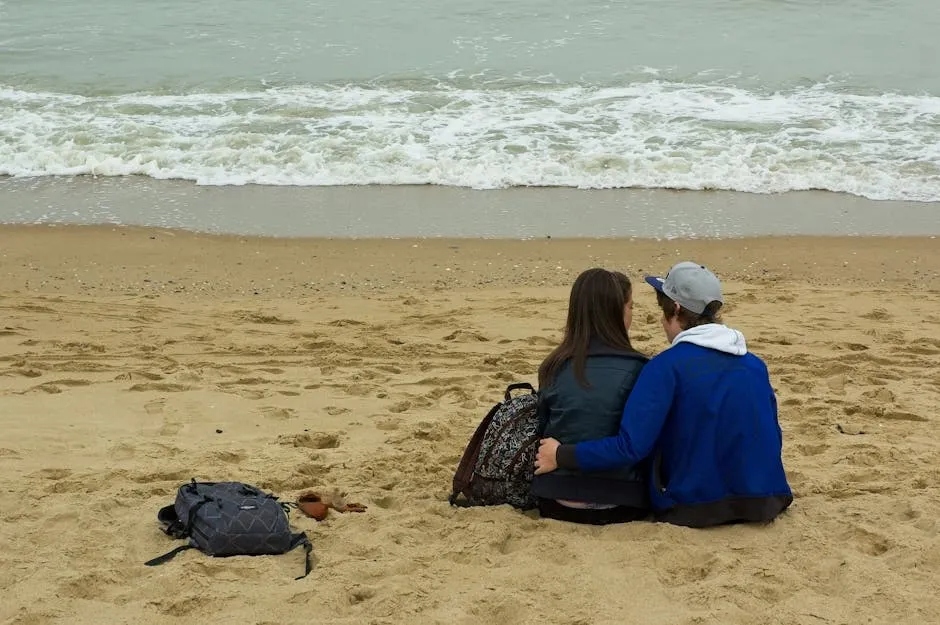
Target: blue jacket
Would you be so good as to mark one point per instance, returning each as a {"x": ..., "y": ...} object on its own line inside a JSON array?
[{"x": 708, "y": 420}]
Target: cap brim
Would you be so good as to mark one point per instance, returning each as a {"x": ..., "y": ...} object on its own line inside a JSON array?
[{"x": 655, "y": 282}]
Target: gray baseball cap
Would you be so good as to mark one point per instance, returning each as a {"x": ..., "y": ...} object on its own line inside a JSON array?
[{"x": 690, "y": 285}]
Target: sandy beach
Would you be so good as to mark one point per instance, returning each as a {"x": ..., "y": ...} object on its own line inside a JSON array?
[{"x": 132, "y": 360}]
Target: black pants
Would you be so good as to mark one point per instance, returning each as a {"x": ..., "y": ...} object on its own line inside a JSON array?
[{"x": 551, "y": 509}]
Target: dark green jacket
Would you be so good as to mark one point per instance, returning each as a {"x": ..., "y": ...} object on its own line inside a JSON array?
[{"x": 572, "y": 413}]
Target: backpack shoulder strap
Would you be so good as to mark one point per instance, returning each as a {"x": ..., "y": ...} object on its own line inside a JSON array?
[
  {"x": 169, "y": 555},
  {"x": 297, "y": 540},
  {"x": 468, "y": 461}
]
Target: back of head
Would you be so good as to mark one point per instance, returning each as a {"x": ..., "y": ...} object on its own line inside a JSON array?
[
  {"x": 595, "y": 313},
  {"x": 695, "y": 289}
]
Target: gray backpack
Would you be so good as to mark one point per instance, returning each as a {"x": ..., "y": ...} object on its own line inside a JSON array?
[{"x": 229, "y": 519}]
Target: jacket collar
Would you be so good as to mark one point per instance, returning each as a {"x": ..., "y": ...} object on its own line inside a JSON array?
[{"x": 597, "y": 348}]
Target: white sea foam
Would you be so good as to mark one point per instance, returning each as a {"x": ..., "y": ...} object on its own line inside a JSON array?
[{"x": 646, "y": 134}]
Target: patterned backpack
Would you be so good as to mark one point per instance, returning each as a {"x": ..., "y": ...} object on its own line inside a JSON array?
[
  {"x": 499, "y": 462},
  {"x": 229, "y": 519}
]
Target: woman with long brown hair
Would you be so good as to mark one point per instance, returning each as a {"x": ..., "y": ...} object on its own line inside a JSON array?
[{"x": 583, "y": 387}]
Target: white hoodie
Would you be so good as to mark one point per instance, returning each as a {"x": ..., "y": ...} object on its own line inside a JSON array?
[{"x": 714, "y": 336}]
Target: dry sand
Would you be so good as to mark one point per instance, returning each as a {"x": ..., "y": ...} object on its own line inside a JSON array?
[{"x": 132, "y": 360}]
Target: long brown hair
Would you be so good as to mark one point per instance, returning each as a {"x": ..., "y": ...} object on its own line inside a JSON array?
[{"x": 595, "y": 313}]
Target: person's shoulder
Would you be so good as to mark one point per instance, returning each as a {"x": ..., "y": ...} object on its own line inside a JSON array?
[
  {"x": 679, "y": 356},
  {"x": 674, "y": 352},
  {"x": 626, "y": 357},
  {"x": 753, "y": 360},
  {"x": 663, "y": 361},
  {"x": 756, "y": 365},
  {"x": 624, "y": 361}
]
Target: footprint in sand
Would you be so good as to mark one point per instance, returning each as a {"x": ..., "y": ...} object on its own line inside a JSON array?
[
  {"x": 231, "y": 457},
  {"x": 812, "y": 450},
  {"x": 464, "y": 336},
  {"x": 692, "y": 569},
  {"x": 88, "y": 585},
  {"x": 878, "y": 314},
  {"x": 26, "y": 373},
  {"x": 359, "y": 390},
  {"x": 52, "y": 474},
  {"x": 138, "y": 375},
  {"x": 388, "y": 425},
  {"x": 123, "y": 451},
  {"x": 387, "y": 503},
  {"x": 263, "y": 319},
  {"x": 882, "y": 396},
  {"x": 160, "y": 387},
  {"x": 311, "y": 440},
  {"x": 170, "y": 428},
  {"x": 252, "y": 394},
  {"x": 360, "y": 594},
  {"x": 335, "y": 411},
  {"x": 63, "y": 520},
  {"x": 344, "y": 323},
  {"x": 431, "y": 431},
  {"x": 400, "y": 407},
  {"x": 54, "y": 386},
  {"x": 837, "y": 383},
  {"x": 277, "y": 413},
  {"x": 247, "y": 381},
  {"x": 48, "y": 387},
  {"x": 853, "y": 347},
  {"x": 177, "y": 606},
  {"x": 867, "y": 542},
  {"x": 155, "y": 406}
]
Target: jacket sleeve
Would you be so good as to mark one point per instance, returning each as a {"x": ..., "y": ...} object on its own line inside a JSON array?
[{"x": 640, "y": 426}]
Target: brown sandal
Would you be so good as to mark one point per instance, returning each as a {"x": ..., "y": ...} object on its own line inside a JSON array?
[
  {"x": 312, "y": 505},
  {"x": 317, "y": 506}
]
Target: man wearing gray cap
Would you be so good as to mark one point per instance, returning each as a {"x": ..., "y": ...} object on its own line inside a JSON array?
[{"x": 703, "y": 411}]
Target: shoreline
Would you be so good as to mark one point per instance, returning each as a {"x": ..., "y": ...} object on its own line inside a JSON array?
[
  {"x": 135, "y": 260},
  {"x": 455, "y": 212}
]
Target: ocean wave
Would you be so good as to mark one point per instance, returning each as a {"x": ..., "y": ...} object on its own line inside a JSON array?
[{"x": 654, "y": 134}]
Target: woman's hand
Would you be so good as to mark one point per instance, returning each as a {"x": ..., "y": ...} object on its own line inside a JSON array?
[{"x": 545, "y": 460}]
